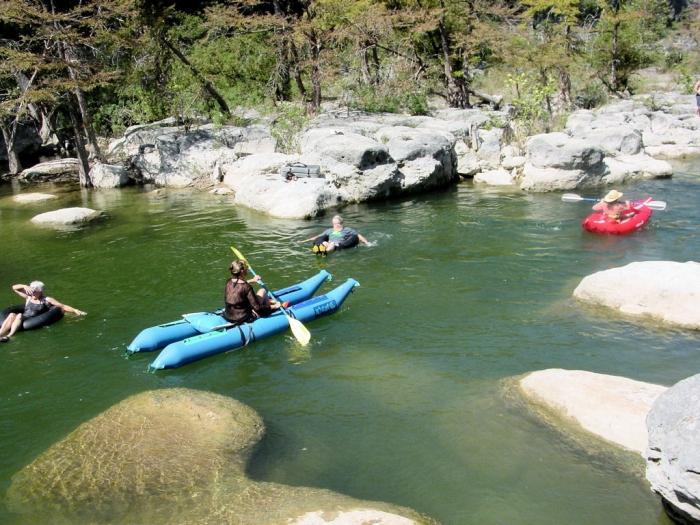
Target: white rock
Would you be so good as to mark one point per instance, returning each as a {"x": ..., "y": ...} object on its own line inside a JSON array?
[
  {"x": 663, "y": 290},
  {"x": 628, "y": 167},
  {"x": 406, "y": 143},
  {"x": 560, "y": 151},
  {"x": 351, "y": 517},
  {"x": 611, "y": 407},
  {"x": 296, "y": 199},
  {"x": 509, "y": 163},
  {"x": 51, "y": 170},
  {"x": 494, "y": 178},
  {"x": 348, "y": 148},
  {"x": 67, "y": 216},
  {"x": 108, "y": 175},
  {"x": 553, "y": 179},
  {"x": 25, "y": 198},
  {"x": 614, "y": 139},
  {"x": 673, "y": 151}
]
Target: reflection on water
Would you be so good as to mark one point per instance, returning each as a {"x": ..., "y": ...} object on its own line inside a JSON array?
[{"x": 398, "y": 397}]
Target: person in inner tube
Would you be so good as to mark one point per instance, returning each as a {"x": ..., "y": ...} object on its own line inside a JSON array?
[
  {"x": 36, "y": 303},
  {"x": 243, "y": 305},
  {"x": 611, "y": 205},
  {"x": 336, "y": 237}
]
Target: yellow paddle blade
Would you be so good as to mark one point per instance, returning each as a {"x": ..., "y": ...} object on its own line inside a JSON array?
[
  {"x": 301, "y": 333},
  {"x": 239, "y": 255}
]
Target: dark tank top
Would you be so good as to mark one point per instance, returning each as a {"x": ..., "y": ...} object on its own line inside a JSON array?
[{"x": 33, "y": 309}]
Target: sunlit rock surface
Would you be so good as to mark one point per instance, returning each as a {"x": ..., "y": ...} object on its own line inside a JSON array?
[
  {"x": 27, "y": 198},
  {"x": 175, "y": 456},
  {"x": 67, "y": 216},
  {"x": 673, "y": 456},
  {"x": 611, "y": 407},
  {"x": 663, "y": 290}
]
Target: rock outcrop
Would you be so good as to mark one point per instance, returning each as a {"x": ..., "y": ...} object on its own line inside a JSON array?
[
  {"x": 108, "y": 175},
  {"x": 62, "y": 170},
  {"x": 663, "y": 290},
  {"x": 175, "y": 456},
  {"x": 673, "y": 455},
  {"x": 28, "y": 198},
  {"x": 611, "y": 407},
  {"x": 67, "y": 216}
]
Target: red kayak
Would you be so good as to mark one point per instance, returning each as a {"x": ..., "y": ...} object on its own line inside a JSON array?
[{"x": 633, "y": 218}]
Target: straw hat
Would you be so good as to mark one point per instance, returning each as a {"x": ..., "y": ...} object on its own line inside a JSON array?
[{"x": 612, "y": 196}]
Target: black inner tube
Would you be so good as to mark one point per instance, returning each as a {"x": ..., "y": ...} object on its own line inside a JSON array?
[{"x": 50, "y": 316}]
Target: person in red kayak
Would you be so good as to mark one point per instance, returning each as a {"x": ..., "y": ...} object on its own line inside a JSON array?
[{"x": 612, "y": 206}]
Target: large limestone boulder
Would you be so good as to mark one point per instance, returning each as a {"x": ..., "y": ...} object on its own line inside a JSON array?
[
  {"x": 615, "y": 139},
  {"x": 673, "y": 455},
  {"x": 29, "y": 198},
  {"x": 560, "y": 151},
  {"x": 611, "y": 407},
  {"x": 623, "y": 168},
  {"x": 405, "y": 144},
  {"x": 108, "y": 175},
  {"x": 665, "y": 291},
  {"x": 168, "y": 154},
  {"x": 62, "y": 170},
  {"x": 175, "y": 456},
  {"x": 554, "y": 179},
  {"x": 67, "y": 216},
  {"x": 347, "y": 148},
  {"x": 494, "y": 178}
]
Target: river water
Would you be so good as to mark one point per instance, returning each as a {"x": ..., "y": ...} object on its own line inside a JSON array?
[{"x": 400, "y": 395}]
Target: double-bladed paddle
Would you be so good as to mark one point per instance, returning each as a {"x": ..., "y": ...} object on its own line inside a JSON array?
[
  {"x": 572, "y": 197},
  {"x": 301, "y": 333}
]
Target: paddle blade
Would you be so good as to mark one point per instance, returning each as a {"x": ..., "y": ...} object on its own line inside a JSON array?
[
  {"x": 656, "y": 205},
  {"x": 571, "y": 197},
  {"x": 238, "y": 255},
  {"x": 301, "y": 333}
]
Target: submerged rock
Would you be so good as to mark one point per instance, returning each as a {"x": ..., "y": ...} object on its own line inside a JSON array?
[
  {"x": 664, "y": 290},
  {"x": 175, "y": 456},
  {"x": 611, "y": 407},
  {"x": 673, "y": 456},
  {"x": 67, "y": 216},
  {"x": 26, "y": 198}
]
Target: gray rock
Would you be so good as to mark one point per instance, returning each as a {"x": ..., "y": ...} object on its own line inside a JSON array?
[
  {"x": 67, "y": 216},
  {"x": 623, "y": 168},
  {"x": 406, "y": 143},
  {"x": 24, "y": 198},
  {"x": 554, "y": 179},
  {"x": 53, "y": 171},
  {"x": 494, "y": 178},
  {"x": 560, "y": 151},
  {"x": 348, "y": 148},
  {"x": 615, "y": 139},
  {"x": 108, "y": 176},
  {"x": 673, "y": 455}
]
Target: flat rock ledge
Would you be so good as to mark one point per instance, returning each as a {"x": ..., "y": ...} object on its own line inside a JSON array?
[
  {"x": 673, "y": 456},
  {"x": 67, "y": 216},
  {"x": 663, "y": 290},
  {"x": 612, "y": 408},
  {"x": 28, "y": 198},
  {"x": 176, "y": 456}
]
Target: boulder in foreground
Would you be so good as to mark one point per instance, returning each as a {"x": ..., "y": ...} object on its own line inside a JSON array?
[
  {"x": 664, "y": 290},
  {"x": 673, "y": 456},
  {"x": 175, "y": 456},
  {"x": 611, "y": 407}
]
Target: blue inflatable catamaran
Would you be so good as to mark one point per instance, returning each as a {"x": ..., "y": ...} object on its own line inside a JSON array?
[
  {"x": 157, "y": 337},
  {"x": 203, "y": 334},
  {"x": 222, "y": 340}
]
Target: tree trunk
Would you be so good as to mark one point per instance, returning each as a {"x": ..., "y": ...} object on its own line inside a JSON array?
[
  {"x": 297, "y": 74},
  {"x": 615, "y": 58},
  {"x": 84, "y": 165},
  {"x": 38, "y": 113},
  {"x": 456, "y": 92},
  {"x": 208, "y": 86},
  {"x": 315, "y": 45},
  {"x": 283, "y": 77},
  {"x": 8, "y": 135}
]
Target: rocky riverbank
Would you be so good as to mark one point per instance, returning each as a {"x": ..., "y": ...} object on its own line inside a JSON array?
[{"x": 375, "y": 156}]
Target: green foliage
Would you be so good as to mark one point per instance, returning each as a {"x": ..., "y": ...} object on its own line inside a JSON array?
[
  {"x": 291, "y": 118},
  {"x": 530, "y": 103},
  {"x": 387, "y": 100}
]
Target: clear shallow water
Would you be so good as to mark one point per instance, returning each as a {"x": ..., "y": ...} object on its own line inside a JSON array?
[{"x": 399, "y": 396}]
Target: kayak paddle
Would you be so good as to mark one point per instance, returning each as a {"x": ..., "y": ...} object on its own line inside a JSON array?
[
  {"x": 572, "y": 197},
  {"x": 301, "y": 333}
]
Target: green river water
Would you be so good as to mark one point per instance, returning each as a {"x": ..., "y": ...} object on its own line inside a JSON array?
[{"x": 399, "y": 397}]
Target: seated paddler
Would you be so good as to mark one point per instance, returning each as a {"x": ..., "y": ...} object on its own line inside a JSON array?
[{"x": 243, "y": 305}]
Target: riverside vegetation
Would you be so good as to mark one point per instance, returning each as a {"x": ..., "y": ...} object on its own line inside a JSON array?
[{"x": 79, "y": 70}]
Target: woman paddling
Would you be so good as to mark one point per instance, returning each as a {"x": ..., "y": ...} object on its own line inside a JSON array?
[
  {"x": 243, "y": 305},
  {"x": 336, "y": 237},
  {"x": 36, "y": 303},
  {"x": 611, "y": 206}
]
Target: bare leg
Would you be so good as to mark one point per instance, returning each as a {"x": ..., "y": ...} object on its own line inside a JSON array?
[
  {"x": 329, "y": 246},
  {"x": 15, "y": 325},
  {"x": 6, "y": 324}
]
